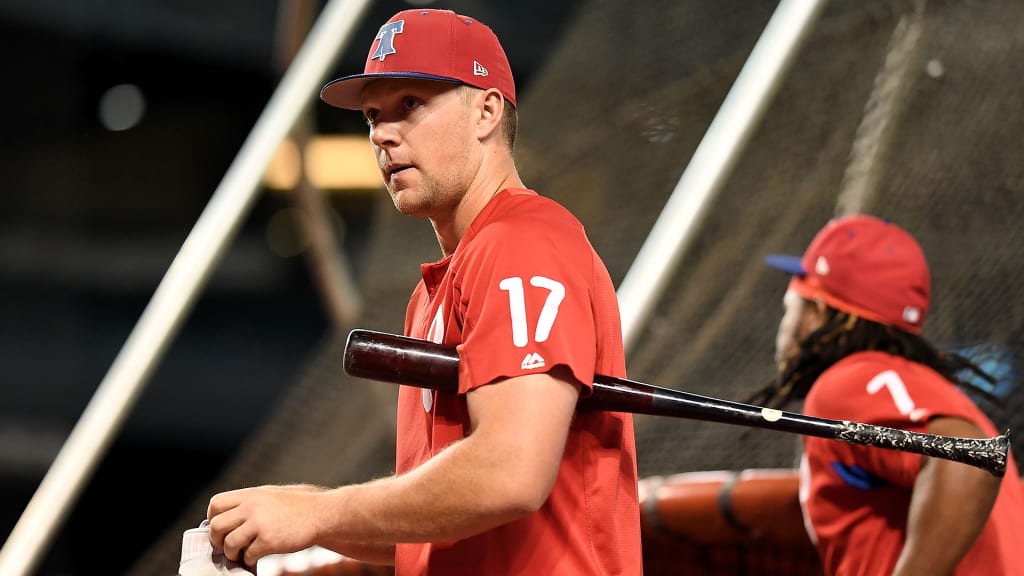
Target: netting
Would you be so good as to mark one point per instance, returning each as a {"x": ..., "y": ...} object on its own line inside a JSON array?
[
  {"x": 942, "y": 79},
  {"x": 608, "y": 128}
]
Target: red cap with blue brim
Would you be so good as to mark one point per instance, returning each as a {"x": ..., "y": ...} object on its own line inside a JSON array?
[
  {"x": 865, "y": 266},
  {"x": 429, "y": 45}
]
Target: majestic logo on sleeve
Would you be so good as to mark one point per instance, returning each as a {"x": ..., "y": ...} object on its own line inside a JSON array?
[
  {"x": 532, "y": 361},
  {"x": 386, "y": 35}
]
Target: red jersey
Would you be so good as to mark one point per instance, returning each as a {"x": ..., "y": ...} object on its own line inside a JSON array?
[
  {"x": 856, "y": 498},
  {"x": 524, "y": 291}
]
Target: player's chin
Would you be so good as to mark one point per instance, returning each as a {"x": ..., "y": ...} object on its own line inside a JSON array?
[{"x": 407, "y": 202}]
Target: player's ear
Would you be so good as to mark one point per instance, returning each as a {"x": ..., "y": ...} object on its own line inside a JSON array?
[{"x": 491, "y": 110}]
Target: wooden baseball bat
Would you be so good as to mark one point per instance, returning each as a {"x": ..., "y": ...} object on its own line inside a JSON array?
[{"x": 413, "y": 362}]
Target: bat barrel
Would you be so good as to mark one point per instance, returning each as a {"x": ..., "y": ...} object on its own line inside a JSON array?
[{"x": 401, "y": 360}]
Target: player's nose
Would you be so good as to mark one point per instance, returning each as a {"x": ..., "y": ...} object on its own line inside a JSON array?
[{"x": 384, "y": 134}]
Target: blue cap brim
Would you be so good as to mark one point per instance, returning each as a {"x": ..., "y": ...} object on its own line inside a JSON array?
[
  {"x": 786, "y": 263},
  {"x": 345, "y": 92}
]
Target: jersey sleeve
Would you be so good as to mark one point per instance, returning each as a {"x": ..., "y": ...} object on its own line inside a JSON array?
[{"x": 523, "y": 295}]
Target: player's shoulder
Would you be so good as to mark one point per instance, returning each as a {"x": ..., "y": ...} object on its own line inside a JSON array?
[
  {"x": 863, "y": 366},
  {"x": 863, "y": 373},
  {"x": 852, "y": 372},
  {"x": 865, "y": 362},
  {"x": 525, "y": 204},
  {"x": 841, "y": 390},
  {"x": 528, "y": 217}
]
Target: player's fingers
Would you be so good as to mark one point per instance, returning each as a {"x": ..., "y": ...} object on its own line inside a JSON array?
[
  {"x": 238, "y": 541},
  {"x": 224, "y": 501},
  {"x": 223, "y": 524},
  {"x": 253, "y": 552}
]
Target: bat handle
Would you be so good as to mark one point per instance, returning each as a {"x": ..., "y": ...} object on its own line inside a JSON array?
[{"x": 986, "y": 453}]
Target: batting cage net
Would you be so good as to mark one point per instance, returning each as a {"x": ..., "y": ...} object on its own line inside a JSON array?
[{"x": 907, "y": 110}]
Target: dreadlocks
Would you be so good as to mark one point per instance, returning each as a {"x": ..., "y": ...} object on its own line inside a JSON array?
[{"x": 843, "y": 334}]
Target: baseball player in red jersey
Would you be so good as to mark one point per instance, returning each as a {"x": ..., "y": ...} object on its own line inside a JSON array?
[
  {"x": 850, "y": 342},
  {"x": 503, "y": 477}
]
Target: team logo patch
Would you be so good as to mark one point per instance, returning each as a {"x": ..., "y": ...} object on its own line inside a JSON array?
[
  {"x": 386, "y": 35},
  {"x": 912, "y": 314},
  {"x": 821, "y": 266},
  {"x": 533, "y": 361}
]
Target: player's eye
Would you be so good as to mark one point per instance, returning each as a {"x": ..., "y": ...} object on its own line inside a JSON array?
[{"x": 410, "y": 102}]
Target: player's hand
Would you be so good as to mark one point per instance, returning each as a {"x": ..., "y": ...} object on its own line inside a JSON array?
[{"x": 253, "y": 522}]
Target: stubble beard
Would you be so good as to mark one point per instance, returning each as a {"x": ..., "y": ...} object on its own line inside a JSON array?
[{"x": 430, "y": 199}]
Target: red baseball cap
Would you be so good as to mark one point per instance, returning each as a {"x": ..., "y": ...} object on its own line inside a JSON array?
[
  {"x": 431, "y": 45},
  {"x": 865, "y": 266}
]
